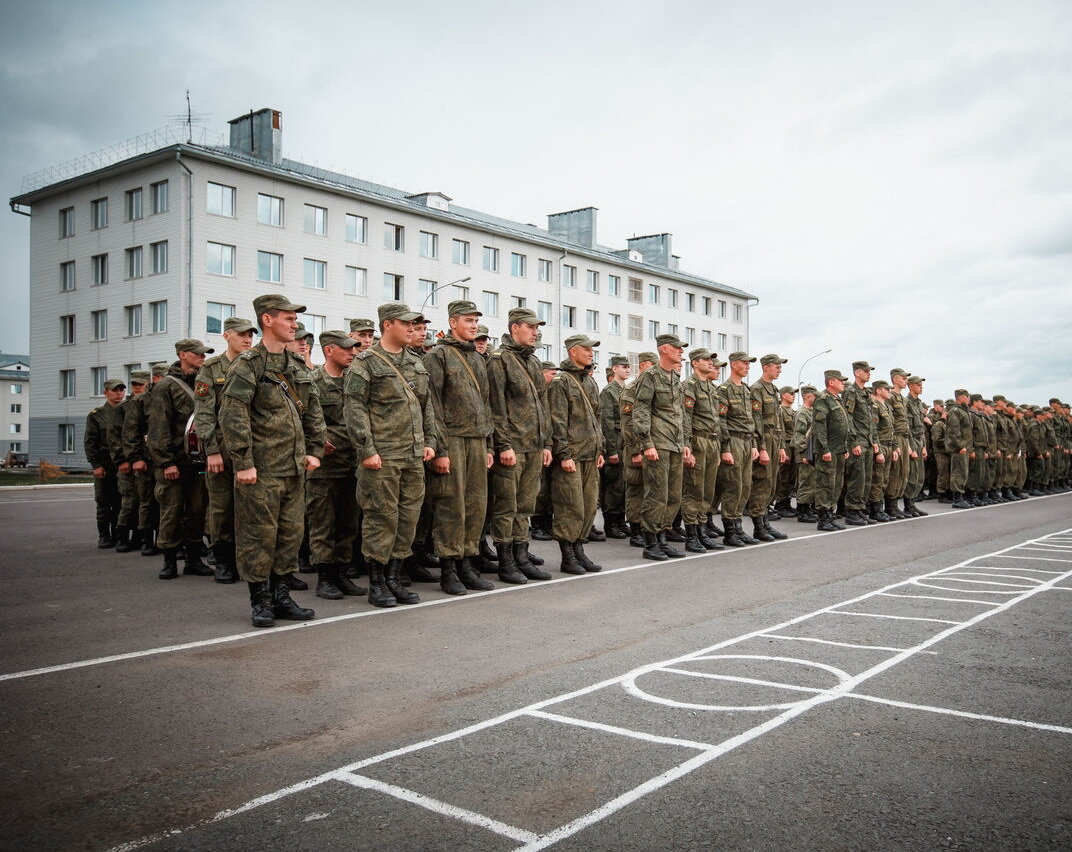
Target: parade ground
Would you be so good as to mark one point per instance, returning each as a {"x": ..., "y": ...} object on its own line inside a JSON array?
[{"x": 898, "y": 686}]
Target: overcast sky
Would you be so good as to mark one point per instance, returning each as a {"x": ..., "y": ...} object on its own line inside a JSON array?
[{"x": 893, "y": 180}]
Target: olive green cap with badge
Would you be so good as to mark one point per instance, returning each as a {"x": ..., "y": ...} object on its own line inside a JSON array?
[
  {"x": 772, "y": 359},
  {"x": 880, "y": 384},
  {"x": 618, "y": 361},
  {"x": 647, "y": 356},
  {"x": 671, "y": 340},
  {"x": 301, "y": 332},
  {"x": 742, "y": 356},
  {"x": 787, "y": 389},
  {"x": 525, "y": 315},
  {"x": 579, "y": 340},
  {"x": 701, "y": 354},
  {"x": 463, "y": 307},
  {"x": 482, "y": 333},
  {"x": 804, "y": 391},
  {"x": 114, "y": 384},
  {"x": 898, "y": 371},
  {"x": 362, "y": 324},
  {"x": 835, "y": 374},
  {"x": 861, "y": 365},
  {"x": 160, "y": 369},
  {"x": 189, "y": 344},
  {"x": 238, "y": 324},
  {"x": 397, "y": 311},
  {"x": 915, "y": 380},
  {"x": 139, "y": 377},
  {"x": 275, "y": 302},
  {"x": 336, "y": 337}
]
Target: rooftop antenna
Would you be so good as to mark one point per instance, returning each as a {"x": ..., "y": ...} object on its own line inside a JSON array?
[{"x": 189, "y": 119}]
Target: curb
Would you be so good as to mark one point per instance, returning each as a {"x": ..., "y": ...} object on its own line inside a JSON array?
[{"x": 5, "y": 488}]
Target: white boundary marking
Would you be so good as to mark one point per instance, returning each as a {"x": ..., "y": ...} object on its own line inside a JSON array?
[
  {"x": 892, "y": 617},
  {"x": 945, "y": 711},
  {"x": 936, "y": 598},
  {"x": 614, "y": 729}
]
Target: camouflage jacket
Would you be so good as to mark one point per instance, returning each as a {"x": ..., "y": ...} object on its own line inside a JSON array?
[
  {"x": 208, "y": 389},
  {"x": 788, "y": 417},
  {"x": 802, "y": 422},
  {"x": 658, "y": 414},
  {"x": 739, "y": 411},
  {"x": 857, "y": 404},
  {"x": 765, "y": 404},
  {"x": 938, "y": 437},
  {"x": 573, "y": 400},
  {"x": 341, "y": 461},
  {"x": 899, "y": 412},
  {"x": 458, "y": 381},
  {"x": 917, "y": 429},
  {"x": 518, "y": 396},
  {"x": 701, "y": 404},
  {"x": 831, "y": 427},
  {"x": 135, "y": 427},
  {"x": 958, "y": 429},
  {"x": 610, "y": 418},
  {"x": 99, "y": 423},
  {"x": 170, "y": 408}
]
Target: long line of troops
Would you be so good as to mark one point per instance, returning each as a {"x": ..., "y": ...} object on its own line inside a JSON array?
[{"x": 401, "y": 453}]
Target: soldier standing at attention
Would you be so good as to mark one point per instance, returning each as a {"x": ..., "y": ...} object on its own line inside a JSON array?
[
  {"x": 632, "y": 457},
  {"x": 521, "y": 438},
  {"x": 613, "y": 473},
  {"x": 302, "y": 346},
  {"x": 705, "y": 433},
  {"x": 180, "y": 482},
  {"x": 128, "y": 533},
  {"x": 331, "y": 489},
  {"x": 541, "y": 520},
  {"x": 362, "y": 330},
  {"x": 917, "y": 444},
  {"x": 577, "y": 440},
  {"x": 219, "y": 475},
  {"x": 273, "y": 429},
  {"x": 832, "y": 436},
  {"x": 958, "y": 443},
  {"x": 941, "y": 455},
  {"x": 862, "y": 453},
  {"x": 135, "y": 427},
  {"x": 738, "y": 453},
  {"x": 771, "y": 445},
  {"x": 99, "y": 424},
  {"x": 392, "y": 426},
  {"x": 787, "y": 475},
  {"x": 802, "y": 421},
  {"x": 978, "y": 454},
  {"x": 898, "y": 464},
  {"x": 882, "y": 415}
]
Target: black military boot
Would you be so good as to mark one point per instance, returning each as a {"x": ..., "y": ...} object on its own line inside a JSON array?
[
  {"x": 785, "y": 508},
  {"x": 745, "y": 538},
  {"x": 959, "y": 502},
  {"x": 345, "y": 584},
  {"x": 569, "y": 565},
  {"x": 171, "y": 564},
  {"x": 772, "y": 513},
  {"x": 448, "y": 577},
  {"x": 804, "y": 514},
  {"x": 104, "y": 535},
  {"x": 533, "y": 558},
  {"x": 122, "y": 539},
  {"x": 541, "y": 528},
  {"x": 135, "y": 538},
  {"x": 910, "y": 506},
  {"x": 471, "y": 578},
  {"x": 284, "y": 607},
  {"x": 676, "y": 531},
  {"x": 392, "y": 577},
  {"x": 224, "y": 571},
  {"x": 759, "y": 530},
  {"x": 826, "y": 521},
  {"x": 508, "y": 570},
  {"x": 636, "y": 535},
  {"x": 325, "y": 583},
  {"x": 707, "y": 541},
  {"x": 595, "y": 534},
  {"x": 713, "y": 527},
  {"x": 524, "y": 563},
  {"x": 855, "y": 518},
  {"x": 587, "y": 564},
  {"x": 663, "y": 537},
  {"x": 378, "y": 593},
  {"x": 730, "y": 537},
  {"x": 486, "y": 553},
  {"x": 417, "y": 572},
  {"x": 148, "y": 543},
  {"x": 692, "y": 540},
  {"x": 652, "y": 549},
  {"x": 773, "y": 531},
  {"x": 304, "y": 565},
  {"x": 260, "y": 601},
  {"x": 615, "y": 525},
  {"x": 295, "y": 583},
  {"x": 874, "y": 510},
  {"x": 193, "y": 564}
]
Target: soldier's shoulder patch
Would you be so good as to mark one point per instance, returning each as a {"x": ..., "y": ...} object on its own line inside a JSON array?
[
  {"x": 690, "y": 402},
  {"x": 627, "y": 407},
  {"x": 202, "y": 389},
  {"x": 723, "y": 408},
  {"x": 850, "y": 404},
  {"x": 757, "y": 405}
]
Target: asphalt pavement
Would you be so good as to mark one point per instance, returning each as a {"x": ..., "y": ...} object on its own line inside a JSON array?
[{"x": 898, "y": 686}]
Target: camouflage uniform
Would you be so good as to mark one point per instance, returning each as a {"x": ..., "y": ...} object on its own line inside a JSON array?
[
  {"x": 787, "y": 476},
  {"x": 735, "y": 480},
  {"x": 658, "y": 416},
  {"x": 958, "y": 437},
  {"x": 917, "y": 442},
  {"x": 704, "y": 433},
  {"x": 135, "y": 427},
  {"x": 883, "y": 418},
  {"x": 832, "y": 432},
  {"x": 208, "y": 389},
  {"x": 99, "y": 424},
  {"x": 898, "y": 470},
  {"x": 573, "y": 400},
  {"x": 941, "y": 456},
  {"x": 858, "y": 469},
  {"x": 612, "y": 477},
  {"x": 128, "y": 495},
  {"x": 766, "y": 402},
  {"x": 633, "y": 474},
  {"x": 802, "y": 421}
]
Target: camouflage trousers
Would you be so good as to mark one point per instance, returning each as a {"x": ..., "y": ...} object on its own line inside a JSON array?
[
  {"x": 829, "y": 479},
  {"x": 858, "y": 479},
  {"x": 941, "y": 462},
  {"x": 958, "y": 472},
  {"x": 221, "y": 511},
  {"x": 898, "y": 470},
  {"x": 698, "y": 482},
  {"x": 513, "y": 496},
  {"x": 574, "y": 496},
  {"x": 145, "y": 487},
  {"x": 976, "y": 470},
  {"x": 182, "y": 504},
  {"x": 662, "y": 491},
  {"x": 269, "y": 521},
  {"x": 128, "y": 500},
  {"x": 805, "y": 483},
  {"x": 787, "y": 477},
  {"x": 331, "y": 507},
  {"x": 735, "y": 480},
  {"x": 390, "y": 500},
  {"x": 460, "y": 498},
  {"x": 764, "y": 477},
  {"x": 880, "y": 475},
  {"x": 106, "y": 494},
  {"x": 633, "y": 476},
  {"x": 612, "y": 488}
]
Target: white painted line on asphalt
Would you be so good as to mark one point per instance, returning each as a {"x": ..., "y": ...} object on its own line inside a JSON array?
[
  {"x": 1046, "y": 550},
  {"x": 614, "y": 729},
  {"x": 748, "y": 681},
  {"x": 427, "y": 802},
  {"x": 892, "y": 617},
  {"x": 1031, "y": 558},
  {"x": 1006, "y": 567},
  {"x": 982, "y": 717},
  {"x": 936, "y": 598},
  {"x": 832, "y": 642}
]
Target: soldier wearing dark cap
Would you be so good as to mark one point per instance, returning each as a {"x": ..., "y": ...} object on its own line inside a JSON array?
[
  {"x": 959, "y": 438},
  {"x": 832, "y": 436},
  {"x": 392, "y": 426},
  {"x": 331, "y": 489},
  {"x": 766, "y": 400},
  {"x": 805, "y": 478},
  {"x": 219, "y": 475},
  {"x": 632, "y": 457},
  {"x": 362, "y": 330},
  {"x": 302, "y": 346},
  {"x": 864, "y": 446},
  {"x": 705, "y": 433},
  {"x": 128, "y": 533},
  {"x": 541, "y": 520},
  {"x": 576, "y": 447},
  {"x": 916, "y": 412},
  {"x": 135, "y": 427},
  {"x": 787, "y": 475},
  {"x": 180, "y": 478},
  {"x": 897, "y": 459},
  {"x": 882, "y": 415},
  {"x": 658, "y": 426},
  {"x": 100, "y": 424},
  {"x": 482, "y": 341},
  {"x": 940, "y": 453},
  {"x": 612, "y": 477},
  {"x": 740, "y": 451},
  {"x": 273, "y": 429},
  {"x": 978, "y": 454}
]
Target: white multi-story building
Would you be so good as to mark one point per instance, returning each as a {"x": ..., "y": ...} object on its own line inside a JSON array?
[
  {"x": 15, "y": 409},
  {"x": 165, "y": 244}
]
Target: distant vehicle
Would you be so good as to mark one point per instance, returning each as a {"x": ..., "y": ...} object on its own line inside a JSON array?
[{"x": 13, "y": 459}]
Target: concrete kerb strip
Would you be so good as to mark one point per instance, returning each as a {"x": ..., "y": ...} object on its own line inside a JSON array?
[{"x": 334, "y": 619}]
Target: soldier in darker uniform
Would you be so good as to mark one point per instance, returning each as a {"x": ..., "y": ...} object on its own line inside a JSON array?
[
  {"x": 99, "y": 425},
  {"x": 832, "y": 437}
]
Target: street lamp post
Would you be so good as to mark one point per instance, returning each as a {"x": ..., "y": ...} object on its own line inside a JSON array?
[
  {"x": 433, "y": 291},
  {"x": 800, "y": 373}
]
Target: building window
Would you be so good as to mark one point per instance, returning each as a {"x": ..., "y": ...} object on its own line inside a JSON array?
[
  {"x": 690, "y": 302},
  {"x": 671, "y": 298},
  {"x": 98, "y": 376},
  {"x": 134, "y": 262},
  {"x": 653, "y": 329},
  {"x": 16, "y": 389},
  {"x": 636, "y": 327},
  {"x": 518, "y": 265},
  {"x": 491, "y": 303},
  {"x": 569, "y": 316},
  {"x": 133, "y": 204},
  {"x": 130, "y": 368},
  {"x": 132, "y": 314},
  {"x": 569, "y": 276},
  {"x": 158, "y": 314},
  {"x": 314, "y": 274},
  {"x": 690, "y": 336},
  {"x": 316, "y": 220},
  {"x": 158, "y": 196},
  {"x": 636, "y": 290},
  {"x": 461, "y": 293},
  {"x": 270, "y": 267},
  {"x": 546, "y": 268},
  {"x": 67, "y": 276},
  {"x": 100, "y": 324},
  {"x": 738, "y": 312},
  {"x": 221, "y": 199},
  {"x": 426, "y": 292},
  {"x": 722, "y": 342},
  {"x": 67, "y": 330},
  {"x": 100, "y": 269},
  {"x": 15, "y": 428},
  {"x": 593, "y": 281},
  {"x": 270, "y": 210},
  {"x": 705, "y": 339},
  {"x": 518, "y": 301},
  {"x": 67, "y": 222},
  {"x": 543, "y": 311},
  {"x": 393, "y": 287},
  {"x": 614, "y": 285},
  {"x": 67, "y": 384},
  {"x": 356, "y": 228},
  {"x": 159, "y": 256},
  {"x": 428, "y": 244},
  {"x": 16, "y": 408},
  {"x": 591, "y": 320},
  {"x": 394, "y": 237},
  {"x": 671, "y": 328},
  {"x": 706, "y": 306},
  {"x": 316, "y": 323},
  {"x": 220, "y": 259},
  {"x": 614, "y": 324},
  {"x": 738, "y": 343},
  {"x": 491, "y": 259},
  {"x": 722, "y": 308},
  {"x": 66, "y": 442},
  {"x": 653, "y": 294},
  {"x": 355, "y": 281},
  {"x": 459, "y": 252},
  {"x": 215, "y": 314},
  {"x": 98, "y": 213}
]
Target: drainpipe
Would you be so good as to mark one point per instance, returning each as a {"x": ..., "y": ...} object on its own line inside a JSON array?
[
  {"x": 558, "y": 303},
  {"x": 189, "y": 242}
]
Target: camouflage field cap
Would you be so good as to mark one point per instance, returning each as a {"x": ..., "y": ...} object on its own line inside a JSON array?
[
  {"x": 525, "y": 315},
  {"x": 898, "y": 371},
  {"x": 670, "y": 340},
  {"x": 915, "y": 380},
  {"x": 189, "y": 344},
  {"x": 302, "y": 333},
  {"x": 463, "y": 307},
  {"x": 804, "y": 391},
  {"x": 139, "y": 377},
  {"x": 880, "y": 384},
  {"x": 959, "y": 392},
  {"x": 619, "y": 361},
  {"x": 742, "y": 356},
  {"x": 238, "y": 324},
  {"x": 482, "y": 333},
  {"x": 975, "y": 397},
  {"x": 772, "y": 359},
  {"x": 579, "y": 340},
  {"x": 397, "y": 311},
  {"x": 861, "y": 365},
  {"x": 701, "y": 354},
  {"x": 336, "y": 337},
  {"x": 647, "y": 356},
  {"x": 835, "y": 374},
  {"x": 548, "y": 365},
  {"x": 362, "y": 324},
  {"x": 787, "y": 389},
  {"x": 999, "y": 397},
  {"x": 275, "y": 302},
  {"x": 114, "y": 384},
  {"x": 160, "y": 369}
]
